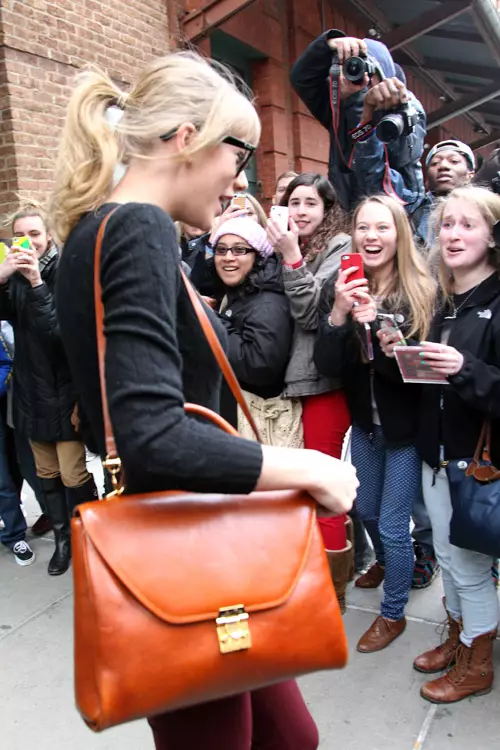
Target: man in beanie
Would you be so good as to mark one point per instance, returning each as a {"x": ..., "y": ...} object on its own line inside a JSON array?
[
  {"x": 450, "y": 164},
  {"x": 368, "y": 167}
]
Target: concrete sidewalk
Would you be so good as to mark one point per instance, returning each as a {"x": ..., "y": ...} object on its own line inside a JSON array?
[{"x": 372, "y": 705}]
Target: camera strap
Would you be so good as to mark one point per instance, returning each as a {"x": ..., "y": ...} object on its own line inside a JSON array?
[{"x": 334, "y": 76}]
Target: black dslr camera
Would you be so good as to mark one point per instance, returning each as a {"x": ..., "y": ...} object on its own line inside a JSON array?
[
  {"x": 355, "y": 69},
  {"x": 398, "y": 122}
]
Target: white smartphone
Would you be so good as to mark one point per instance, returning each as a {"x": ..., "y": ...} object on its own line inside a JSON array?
[{"x": 280, "y": 215}]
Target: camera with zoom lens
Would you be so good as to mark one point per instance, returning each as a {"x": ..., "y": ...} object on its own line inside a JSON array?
[
  {"x": 355, "y": 69},
  {"x": 398, "y": 122}
]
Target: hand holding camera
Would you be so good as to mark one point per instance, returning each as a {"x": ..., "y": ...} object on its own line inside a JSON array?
[
  {"x": 388, "y": 94},
  {"x": 285, "y": 242},
  {"x": 351, "y": 297}
]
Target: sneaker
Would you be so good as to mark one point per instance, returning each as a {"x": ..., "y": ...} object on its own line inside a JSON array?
[
  {"x": 426, "y": 567},
  {"x": 23, "y": 553}
]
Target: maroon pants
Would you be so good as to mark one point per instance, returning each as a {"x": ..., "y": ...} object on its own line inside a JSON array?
[
  {"x": 326, "y": 420},
  {"x": 273, "y": 718}
]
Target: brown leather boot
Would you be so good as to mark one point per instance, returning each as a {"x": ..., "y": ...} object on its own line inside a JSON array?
[
  {"x": 372, "y": 578},
  {"x": 349, "y": 533},
  {"x": 443, "y": 656},
  {"x": 472, "y": 673},
  {"x": 340, "y": 562}
]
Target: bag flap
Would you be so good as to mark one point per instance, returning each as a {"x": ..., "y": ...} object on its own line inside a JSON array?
[{"x": 184, "y": 557}]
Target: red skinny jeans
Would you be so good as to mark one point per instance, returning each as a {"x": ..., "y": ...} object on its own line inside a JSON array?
[{"x": 326, "y": 420}]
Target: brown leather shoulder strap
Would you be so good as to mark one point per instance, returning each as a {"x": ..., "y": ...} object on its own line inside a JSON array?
[
  {"x": 209, "y": 332},
  {"x": 111, "y": 451}
]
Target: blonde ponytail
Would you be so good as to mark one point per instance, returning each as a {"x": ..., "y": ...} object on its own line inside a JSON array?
[
  {"x": 88, "y": 152},
  {"x": 181, "y": 87}
]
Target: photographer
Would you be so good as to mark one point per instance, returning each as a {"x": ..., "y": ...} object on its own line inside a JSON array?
[{"x": 371, "y": 166}]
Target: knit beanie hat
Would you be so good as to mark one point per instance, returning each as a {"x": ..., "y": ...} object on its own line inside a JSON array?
[
  {"x": 249, "y": 230},
  {"x": 382, "y": 55}
]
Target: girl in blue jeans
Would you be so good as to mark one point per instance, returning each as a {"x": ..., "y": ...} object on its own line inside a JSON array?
[
  {"x": 354, "y": 344},
  {"x": 463, "y": 347}
]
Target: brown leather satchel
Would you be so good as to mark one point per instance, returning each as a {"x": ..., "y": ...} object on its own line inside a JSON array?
[{"x": 185, "y": 598}]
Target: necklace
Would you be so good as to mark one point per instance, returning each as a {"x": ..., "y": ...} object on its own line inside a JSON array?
[{"x": 456, "y": 309}]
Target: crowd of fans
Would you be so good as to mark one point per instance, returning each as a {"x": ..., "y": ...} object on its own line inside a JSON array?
[{"x": 306, "y": 341}]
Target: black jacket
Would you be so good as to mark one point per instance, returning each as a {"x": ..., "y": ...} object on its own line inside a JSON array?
[
  {"x": 475, "y": 390},
  {"x": 203, "y": 275},
  {"x": 44, "y": 397},
  {"x": 338, "y": 353},
  {"x": 310, "y": 79},
  {"x": 259, "y": 327}
]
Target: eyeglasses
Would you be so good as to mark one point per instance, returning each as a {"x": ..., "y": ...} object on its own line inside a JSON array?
[
  {"x": 243, "y": 158},
  {"x": 236, "y": 250}
]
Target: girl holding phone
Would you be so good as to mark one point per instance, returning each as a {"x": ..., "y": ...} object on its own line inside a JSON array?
[
  {"x": 384, "y": 410},
  {"x": 310, "y": 251}
]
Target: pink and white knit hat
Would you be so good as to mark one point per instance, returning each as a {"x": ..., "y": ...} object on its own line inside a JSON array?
[{"x": 249, "y": 230}]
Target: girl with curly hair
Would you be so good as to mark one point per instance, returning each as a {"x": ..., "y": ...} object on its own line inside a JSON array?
[{"x": 310, "y": 251}]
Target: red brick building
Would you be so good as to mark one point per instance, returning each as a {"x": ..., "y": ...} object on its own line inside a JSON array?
[{"x": 44, "y": 43}]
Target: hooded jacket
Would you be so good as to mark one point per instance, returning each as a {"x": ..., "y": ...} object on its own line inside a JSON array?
[
  {"x": 259, "y": 329},
  {"x": 310, "y": 79},
  {"x": 453, "y": 415},
  {"x": 44, "y": 396},
  {"x": 303, "y": 287}
]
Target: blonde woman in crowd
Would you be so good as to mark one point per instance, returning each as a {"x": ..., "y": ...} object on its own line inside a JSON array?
[{"x": 186, "y": 134}]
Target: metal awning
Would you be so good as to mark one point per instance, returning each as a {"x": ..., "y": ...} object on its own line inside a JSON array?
[{"x": 454, "y": 47}]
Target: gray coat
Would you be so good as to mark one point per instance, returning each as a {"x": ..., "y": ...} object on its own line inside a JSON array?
[{"x": 303, "y": 288}]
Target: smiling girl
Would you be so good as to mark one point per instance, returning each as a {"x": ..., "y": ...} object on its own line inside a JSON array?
[
  {"x": 464, "y": 347},
  {"x": 310, "y": 251},
  {"x": 384, "y": 410}
]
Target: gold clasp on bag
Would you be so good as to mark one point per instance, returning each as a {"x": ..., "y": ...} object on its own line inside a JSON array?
[
  {"x": 233, "y": 630},
  {"x": 114, "y": 466}
]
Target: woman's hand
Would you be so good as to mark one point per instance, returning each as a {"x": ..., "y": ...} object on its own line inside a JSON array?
[
  {"x": 337, "y": 486},
  {"x": 8, "y": 267},
  {"x": 388, "y": 340},
  {"x": 349, "y": 294},
  {"x": 232, "y": 212},
  {"x": 365, "y": 311},
  {"x": 445, "y": 360},
  {"x": 286, "y": 243},
  {"x": 26, "y": 262}
]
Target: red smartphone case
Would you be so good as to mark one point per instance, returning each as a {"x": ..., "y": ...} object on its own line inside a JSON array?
[{"x": 351, "y": 260}]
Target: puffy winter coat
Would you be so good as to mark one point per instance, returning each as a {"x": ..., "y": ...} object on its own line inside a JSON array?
[
  {"x": 259, "y": 327},
  {"x": 44, "y": 396}
]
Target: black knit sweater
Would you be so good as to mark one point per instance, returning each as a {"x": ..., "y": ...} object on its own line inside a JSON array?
[{"x": 157, "y": 357}]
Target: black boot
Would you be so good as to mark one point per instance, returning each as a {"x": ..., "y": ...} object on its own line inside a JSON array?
[
  {"x": 85, "y": 493},
  {"x": 55, "y": 499}
]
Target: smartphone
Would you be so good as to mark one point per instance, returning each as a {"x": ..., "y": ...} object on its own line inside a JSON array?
[
  {"x": 353, "y": 260},
  {"x": 280, "y": 215},
  {"x": 239, "y": 200},
  {"x": 13, "y": 243},
  {"x": 387, "y": 322}
]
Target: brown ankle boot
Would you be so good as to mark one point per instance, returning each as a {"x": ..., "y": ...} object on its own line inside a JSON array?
[
  {"x": 349, "y": 532},
  {"x": 340, "y": 562},
  {"x": 472, "y": 673},
  {"x": 443, "y": 656},
  {"x": 372, "y": 578}
]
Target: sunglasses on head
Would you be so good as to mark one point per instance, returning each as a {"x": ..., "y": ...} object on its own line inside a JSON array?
[
  {"x": 232, "y": 141},
  {"x": 236, "y": 250}
]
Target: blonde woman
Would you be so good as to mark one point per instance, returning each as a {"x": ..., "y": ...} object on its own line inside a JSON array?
[
  {"x": 464, "y": 347},
  {"x": 384, "y": 410},
  {"x": 186, "y": 134}
]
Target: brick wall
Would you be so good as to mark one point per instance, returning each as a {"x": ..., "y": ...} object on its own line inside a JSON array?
[{"x": 45, "y": 44}]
